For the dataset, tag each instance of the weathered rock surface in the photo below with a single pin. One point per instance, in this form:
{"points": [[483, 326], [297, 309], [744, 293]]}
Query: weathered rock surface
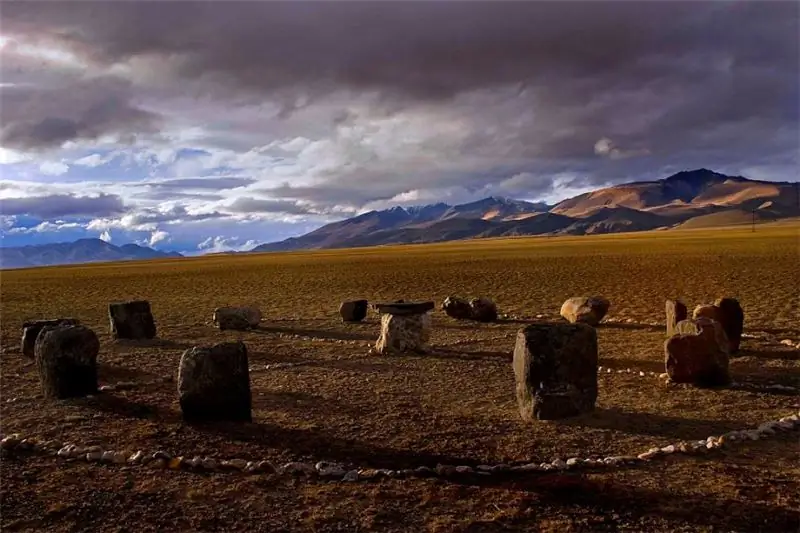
{"points": [[732, 321], [236, 318], [555, 366], [66, 358], [132, 320], [354, 310], [214, 383], [483, 309], [707, 311], [457, 308], [32, 328], [698, 353], [401, 308], [676, 311], [404, 333], [585, 310]]}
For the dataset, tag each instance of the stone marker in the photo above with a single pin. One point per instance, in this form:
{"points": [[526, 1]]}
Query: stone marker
{"points": [[585, 310], [732, 321], [405, 327], [555, 366], [32, 328], [483, 309], [698, 353], [236, 318], [353, 311], [66, 357], [676, 311], [131, 320], [707, 311], [457, 308], [214, 383]]}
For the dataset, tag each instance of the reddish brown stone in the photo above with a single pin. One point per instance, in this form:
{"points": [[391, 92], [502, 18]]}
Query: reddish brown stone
{"points": [[698, 353]]}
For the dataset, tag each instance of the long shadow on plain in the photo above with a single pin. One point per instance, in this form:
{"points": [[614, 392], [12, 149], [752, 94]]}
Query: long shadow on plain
{"points": [[634, 326], [658, 425], [790, 355], [318, 333]]}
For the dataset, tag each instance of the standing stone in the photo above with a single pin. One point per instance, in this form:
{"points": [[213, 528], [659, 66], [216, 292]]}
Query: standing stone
{"points": [[236, 318], [353, 311], [698, 353], [555, 366], [732, 321], [214, 383], [483, 309], [676, 311], [32, 328], [66, 357], [132, 320], [404, 333], [457, 308], [585, 310]]}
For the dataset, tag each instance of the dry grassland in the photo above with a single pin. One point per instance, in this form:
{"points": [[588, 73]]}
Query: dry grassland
{"points": [[453, 406]]}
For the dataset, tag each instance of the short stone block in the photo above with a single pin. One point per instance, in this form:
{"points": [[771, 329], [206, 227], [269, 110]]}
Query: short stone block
{"points": [[132, 320], [66, 357], [404, 333]]}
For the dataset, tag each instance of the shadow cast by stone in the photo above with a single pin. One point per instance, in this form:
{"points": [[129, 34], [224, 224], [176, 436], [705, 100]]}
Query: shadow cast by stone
{"points": [[634, 326], [112, 403], [110, 374], [317, 333], [450, 355], [294, 401], [784, 355], [641, 423]]}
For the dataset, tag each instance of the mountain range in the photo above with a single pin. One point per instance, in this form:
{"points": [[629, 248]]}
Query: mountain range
{"points": [[695, 198], [80, 251], [688, 199]]}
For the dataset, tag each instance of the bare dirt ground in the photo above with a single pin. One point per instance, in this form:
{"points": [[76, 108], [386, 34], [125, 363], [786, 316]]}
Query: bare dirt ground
{"points": [[453, 406]]}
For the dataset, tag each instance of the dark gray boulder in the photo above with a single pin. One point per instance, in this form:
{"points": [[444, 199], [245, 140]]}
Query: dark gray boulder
{"points": [[555, 366], [353, 310], [732, 317], [131, 320], [214, 383], [32, 328], [457, 308], [483, 309], [676, 311], [66, 358]]}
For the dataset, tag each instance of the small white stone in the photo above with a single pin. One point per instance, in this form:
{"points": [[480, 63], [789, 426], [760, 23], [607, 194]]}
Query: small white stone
{"points": [[559, 463], [664, 375], [107, 457], [787, 342], [464, 469], [599, 368], [646, 456], [64, 452], [572, 461], [668, 449], [609, 371], [136, 457], [94, 456], [641, 374], [628, 370], [330, 469], [352, 475]]}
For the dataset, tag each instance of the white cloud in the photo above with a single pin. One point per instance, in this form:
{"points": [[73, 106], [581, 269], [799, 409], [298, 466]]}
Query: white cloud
{"points": [[157, 237], [53, 168], [105, 236], [221, 244]]}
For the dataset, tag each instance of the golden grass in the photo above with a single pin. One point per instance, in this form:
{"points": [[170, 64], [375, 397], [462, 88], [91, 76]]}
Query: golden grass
{"points": [[455, 405]]}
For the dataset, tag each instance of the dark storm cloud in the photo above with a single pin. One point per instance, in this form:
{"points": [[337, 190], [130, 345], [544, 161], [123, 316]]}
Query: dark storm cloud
{"points": [[63, 205]]}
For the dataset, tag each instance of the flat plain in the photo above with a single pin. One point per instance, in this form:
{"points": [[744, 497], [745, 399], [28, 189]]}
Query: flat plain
{"points": [[455, 405]]}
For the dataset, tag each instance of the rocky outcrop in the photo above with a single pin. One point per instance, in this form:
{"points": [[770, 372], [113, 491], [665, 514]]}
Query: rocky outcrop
{"points": [[676, 311], [732, 316], [353, 311], [555, 366], [585, 310], [698, 353], [404, 333], [66, 358], [214, 383], [32, 328], [236, 318], [131, 320]]}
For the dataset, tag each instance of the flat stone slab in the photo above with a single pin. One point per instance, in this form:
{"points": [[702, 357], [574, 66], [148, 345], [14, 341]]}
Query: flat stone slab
{"points": [[403, 308]]}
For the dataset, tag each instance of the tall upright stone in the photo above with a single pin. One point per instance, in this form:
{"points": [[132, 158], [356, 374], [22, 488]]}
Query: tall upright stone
{"points": [[698, 353], [732, 321], [32, 328], [214, 383], [353, 310], [676, 311], [66, 358], [585, 309], [405, 328], [555, 367], [131, 320]]}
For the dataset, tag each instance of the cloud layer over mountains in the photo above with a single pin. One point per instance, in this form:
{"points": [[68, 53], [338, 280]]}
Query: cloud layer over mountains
{"points": [[253, 121]]}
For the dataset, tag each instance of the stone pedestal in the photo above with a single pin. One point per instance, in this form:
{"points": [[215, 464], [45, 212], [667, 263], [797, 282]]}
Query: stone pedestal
{"points": [[353, 311], [698, 353], [66, 357], [676, 311], [405, 328], [32, 328], [585, 310], [555, 367], [214, 383], [131, 320]]}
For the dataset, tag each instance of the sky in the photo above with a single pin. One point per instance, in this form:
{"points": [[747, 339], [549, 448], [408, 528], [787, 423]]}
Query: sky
{"points": [[214, 126]]}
